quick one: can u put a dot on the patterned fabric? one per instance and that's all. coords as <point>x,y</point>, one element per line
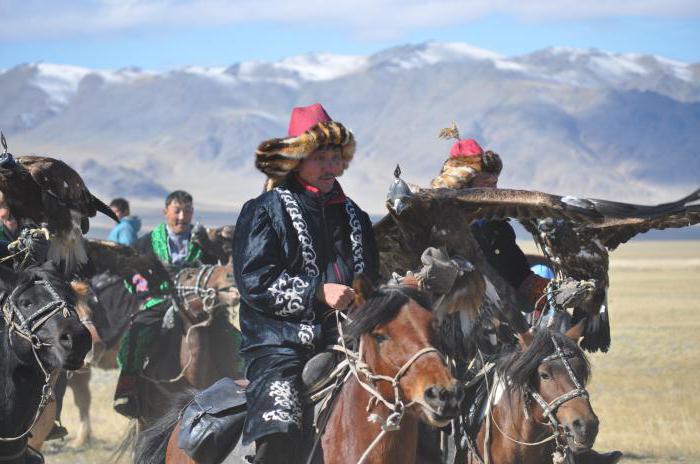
<point>355,237</point>
<point>273,396</point>
<point>307,245</point>
<point>288,292</point>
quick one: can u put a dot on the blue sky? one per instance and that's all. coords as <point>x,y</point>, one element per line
<point>165,34</point>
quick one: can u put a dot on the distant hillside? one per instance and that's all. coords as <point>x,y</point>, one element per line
<point>569,121</point>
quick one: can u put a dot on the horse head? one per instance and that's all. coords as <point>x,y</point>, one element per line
<point>552,371</point>
<point>39,313</point>
<point>395,330</point>
<point>206,289</point>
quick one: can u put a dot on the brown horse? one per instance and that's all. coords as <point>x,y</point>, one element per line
<point>397,379</point>
<point>206,295</point>
<point>537,409</point>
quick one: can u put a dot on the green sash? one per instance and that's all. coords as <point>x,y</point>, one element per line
<point>159,243</point>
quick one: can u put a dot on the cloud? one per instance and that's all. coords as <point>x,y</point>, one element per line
<point>45,19</point>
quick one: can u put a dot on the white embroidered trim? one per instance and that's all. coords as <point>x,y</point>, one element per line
<point>355,237</point>
<point>286,398</point>
<point>307,246</point>
<point>306,334</point>
<point>288,290</point>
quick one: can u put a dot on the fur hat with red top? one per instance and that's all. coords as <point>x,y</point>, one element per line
<point>310,128</point>
<point>467,160</point>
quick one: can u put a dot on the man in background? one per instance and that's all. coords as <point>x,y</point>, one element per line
<point>126,231</point>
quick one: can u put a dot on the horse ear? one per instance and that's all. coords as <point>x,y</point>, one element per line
<point>363,287</point>
<point>525,339</point>
<point>576,332</point>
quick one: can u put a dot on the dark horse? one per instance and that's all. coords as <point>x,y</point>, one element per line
<point>396,379</point>
<point>41,332</point>
<point>537,408</point>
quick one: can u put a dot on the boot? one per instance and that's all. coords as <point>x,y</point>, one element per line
<point>317,370</point>
<point>126,400</point>
<point>594,457</point>
<point>33,456</point>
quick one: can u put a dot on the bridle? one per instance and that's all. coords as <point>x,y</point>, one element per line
<point>199,290</point>
<point>562,453</point>
<point>549,409</point>
<point>183,295</point>
<point>27,328</point>
<point>397,407</point>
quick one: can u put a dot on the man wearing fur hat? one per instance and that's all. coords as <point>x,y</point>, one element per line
<point>469,166</point>
<point>296,248</point>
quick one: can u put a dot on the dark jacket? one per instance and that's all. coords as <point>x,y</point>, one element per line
<point>287,242</point>
<point>497,240</point>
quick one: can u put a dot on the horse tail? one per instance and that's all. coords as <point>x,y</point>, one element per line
<point>152,442</point>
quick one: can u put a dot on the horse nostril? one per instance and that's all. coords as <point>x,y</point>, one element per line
<point>66,340</point>
<point>432,393</point>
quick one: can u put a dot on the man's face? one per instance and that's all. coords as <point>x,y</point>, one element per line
<point>178,216</point>
<point>321,168</point>
<point>7,219</point>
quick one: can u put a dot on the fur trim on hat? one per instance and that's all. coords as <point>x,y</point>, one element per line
<point>457,172</point>
<point>278,157</point>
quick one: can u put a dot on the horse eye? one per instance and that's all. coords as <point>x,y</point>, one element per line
<point>544,375</point>
<point>25,302</point>
<point>379,338</point>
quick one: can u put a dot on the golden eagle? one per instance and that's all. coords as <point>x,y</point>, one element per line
<point>442,218</point>
<point>580,251</point>
<point>40,190</point>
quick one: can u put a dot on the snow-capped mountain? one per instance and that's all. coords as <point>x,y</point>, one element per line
<point>564,120</point>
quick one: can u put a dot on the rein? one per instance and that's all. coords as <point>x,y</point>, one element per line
<point>397,406</point>
<point>208,297</point>
<point>562,453</point>
<point>27,328</point>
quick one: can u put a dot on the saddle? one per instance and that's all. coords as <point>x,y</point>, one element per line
<point>212,423</point>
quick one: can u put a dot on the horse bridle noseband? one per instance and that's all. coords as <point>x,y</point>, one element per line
<point>27,328</point>
<point>182,294</point>
<point>549,409</point>
<point>199,290</point>
<point>397,406</point>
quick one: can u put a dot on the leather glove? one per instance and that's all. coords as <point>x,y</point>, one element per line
<point>439,272</point>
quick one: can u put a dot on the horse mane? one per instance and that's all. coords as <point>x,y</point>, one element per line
<point>381,307</point>
<point>520,367</point>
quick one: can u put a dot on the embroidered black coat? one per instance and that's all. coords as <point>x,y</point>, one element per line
<point>287,242</point>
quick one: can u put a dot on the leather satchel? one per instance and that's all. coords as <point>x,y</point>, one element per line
<point>212,423</point>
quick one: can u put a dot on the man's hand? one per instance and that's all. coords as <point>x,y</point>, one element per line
<point>336,296</point>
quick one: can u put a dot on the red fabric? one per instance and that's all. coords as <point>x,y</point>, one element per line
<point>305,117</point>
<point>339,198</point>
<point>464,148</point>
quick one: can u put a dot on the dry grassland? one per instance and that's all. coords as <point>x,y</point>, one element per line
<point>645,390</point>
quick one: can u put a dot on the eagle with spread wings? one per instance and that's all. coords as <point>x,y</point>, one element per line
<point>40,190</point>
<point>580,251</point>
<point>442,218</point>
